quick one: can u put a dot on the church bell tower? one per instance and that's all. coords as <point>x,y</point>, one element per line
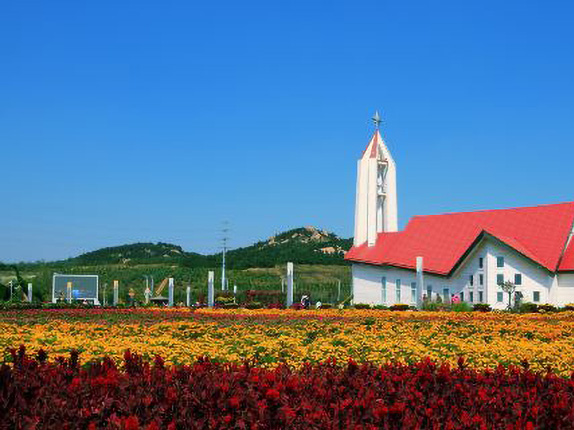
<point>376,199</point>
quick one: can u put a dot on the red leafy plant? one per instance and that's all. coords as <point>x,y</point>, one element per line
<point>35,393</point>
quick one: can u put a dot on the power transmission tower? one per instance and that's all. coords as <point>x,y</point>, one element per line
<point>224,245</point>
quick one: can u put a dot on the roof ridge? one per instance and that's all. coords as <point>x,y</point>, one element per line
<point>495,210</point>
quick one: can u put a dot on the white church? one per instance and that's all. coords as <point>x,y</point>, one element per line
<point>467,254</point>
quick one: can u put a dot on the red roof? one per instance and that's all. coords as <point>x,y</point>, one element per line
<point>539,233</point>
<point>567,263</point>
<point>373,144</point>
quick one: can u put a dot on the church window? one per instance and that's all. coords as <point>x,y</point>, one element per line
<point>446,295</point>
<point>429,292</point>
<point>471,278</point>
<point>481,279</point>
<point>398,292</point>
<point>500,279</point>
<point>480,263</point>
<point>462,296</point>
<point>499,296</point>
<point>384,289</point>
<point>517,279</point>
<point>413,291</point>
<point>499,261</point>
<point>471,298</point>
<point>536,296</point>
<point>481,296</point>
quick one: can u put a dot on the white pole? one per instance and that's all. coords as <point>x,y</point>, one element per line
<point>170,292</point>
<point>69,291</point>
<point>188,296</point>
<point>30,292</point>
<point>116,292</point>
<point>210,291</point>
<point>420,281</point>
<point>289,284</point>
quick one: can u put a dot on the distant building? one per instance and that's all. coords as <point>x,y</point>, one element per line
<point>468,254</point>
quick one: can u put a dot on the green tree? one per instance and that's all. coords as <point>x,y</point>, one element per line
<point>509,288</point>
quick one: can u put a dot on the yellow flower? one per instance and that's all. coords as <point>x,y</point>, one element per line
<point>271,337</point>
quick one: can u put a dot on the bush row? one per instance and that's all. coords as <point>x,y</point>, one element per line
<point>141,395</point>
<point>458,307</point>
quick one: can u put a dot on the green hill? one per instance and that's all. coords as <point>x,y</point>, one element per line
<point>136,253</point>
<point>305,245</point>
<point>317,254</point>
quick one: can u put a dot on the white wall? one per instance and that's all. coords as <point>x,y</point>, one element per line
<point>367,285</point>
<point>556,290</point>
<point>564,289</point>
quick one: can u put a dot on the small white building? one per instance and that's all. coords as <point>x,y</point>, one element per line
<point>468,254</point>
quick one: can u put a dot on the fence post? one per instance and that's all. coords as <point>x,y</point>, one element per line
<point>147,294</point>
<point>420,282</point>
<point>116,292</point>
<point>30,292</point>
<point>289,285</point>
<point>210,291</point>
<point>170,292</point>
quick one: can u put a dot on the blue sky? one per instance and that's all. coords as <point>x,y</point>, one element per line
<point>155,121</point>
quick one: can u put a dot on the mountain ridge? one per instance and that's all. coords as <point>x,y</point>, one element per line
<point>303,245</point>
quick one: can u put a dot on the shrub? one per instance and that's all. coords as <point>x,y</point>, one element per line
<point>432,306</point>
<point>481,307</point>
<point>399,307</point>
<point>230,306</point>
<point>327,306</point>
<point>297,306</point>
<point>362,306</point>
<point>276,306</point>
<point>547,308</point>
<point>528,308</point>
<point>222,300</point>
<point>461,307</point>
<point>568,307</point>
<point>381,307</point>
<point>254,305</point>
<point>264,296</point>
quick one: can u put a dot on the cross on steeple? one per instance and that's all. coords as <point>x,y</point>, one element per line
<point>377,119</point>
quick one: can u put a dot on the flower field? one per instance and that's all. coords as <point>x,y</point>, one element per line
<point>271,337</point>
<point>270,369</point>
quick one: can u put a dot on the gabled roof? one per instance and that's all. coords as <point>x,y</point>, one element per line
<point>567,262</point>
<point>539,233</point>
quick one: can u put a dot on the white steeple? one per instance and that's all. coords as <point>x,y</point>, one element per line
<point>376,200</point>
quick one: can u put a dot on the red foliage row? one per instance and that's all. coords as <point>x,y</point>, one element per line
<point>140,395</point>
<point>102,315</point>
